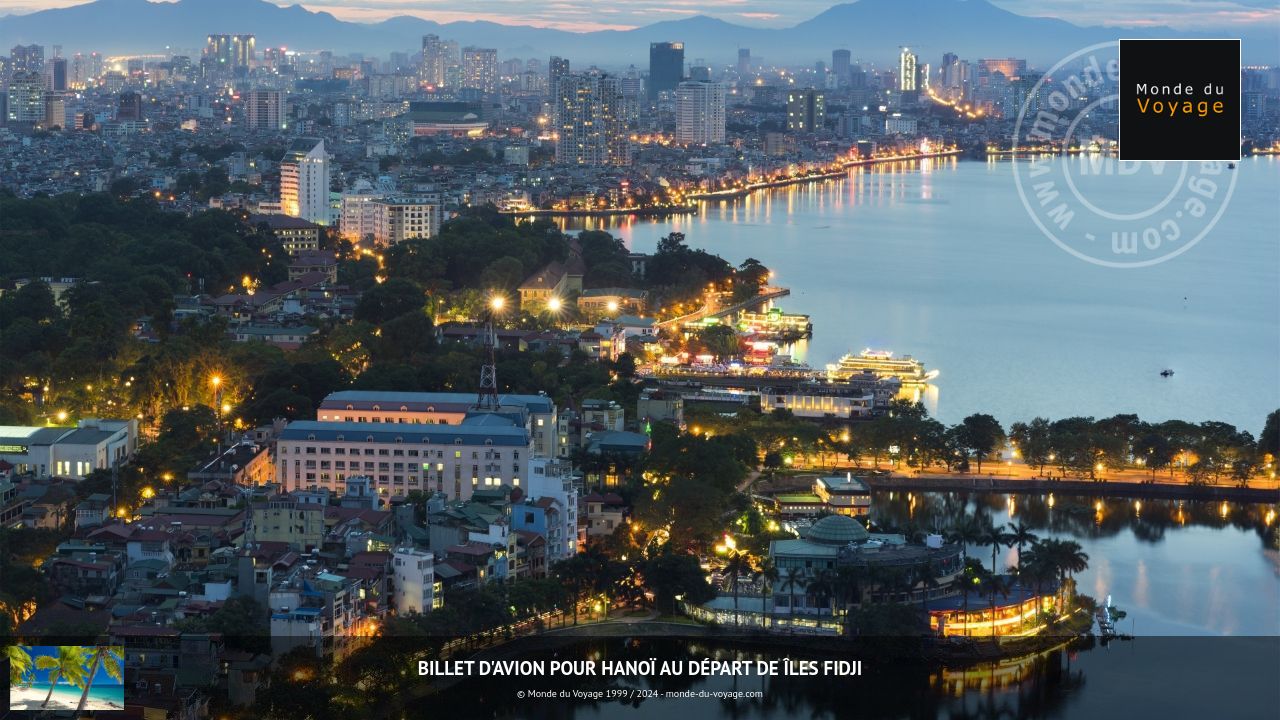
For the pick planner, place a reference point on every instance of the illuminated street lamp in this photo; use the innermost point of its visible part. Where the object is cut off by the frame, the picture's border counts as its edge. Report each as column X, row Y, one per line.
column 554, row 304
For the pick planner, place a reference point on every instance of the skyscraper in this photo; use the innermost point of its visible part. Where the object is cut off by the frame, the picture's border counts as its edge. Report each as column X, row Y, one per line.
column 264, row 110
column 304, row 181
column 480, row 69
column 744, row 61
column 230, row 51
column 840, row 65
column 699, row 113
column 26, row 59
column 26, row 97
column 56, row 75
column 434, row 61
column 666, row 67
column 556, row 68
column 590, row 129
column 806, row 110
column 906, row 71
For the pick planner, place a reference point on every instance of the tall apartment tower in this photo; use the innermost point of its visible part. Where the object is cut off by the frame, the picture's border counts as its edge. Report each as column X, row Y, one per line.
column 840, row 62
column 264, row 110
column 26, row 98
column 434, row 61
column 666, row 67
column 700, row 116
column 907, row 71
column 480, row 69
column 556, row 68
column 806, row 110
column 590, row 125
column 304, row 181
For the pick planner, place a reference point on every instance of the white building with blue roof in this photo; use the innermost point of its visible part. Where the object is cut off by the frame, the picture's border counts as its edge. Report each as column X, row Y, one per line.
column 481, row 449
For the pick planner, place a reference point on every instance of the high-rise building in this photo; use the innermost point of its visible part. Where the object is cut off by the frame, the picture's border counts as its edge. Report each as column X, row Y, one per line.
column 480, row 69
column 26, row 59
column 840, row 60
column 304, row 181
column 26, row 98
column 666, row 67
column 906, row 71
column 700, row 115
column 434, row 61
column 589, row 122
column 230, row 51
column 556, row 67
column 264, row 110
column 744, row 61
column 129, row 107
column 56, row 75
column 806, row 110
column 55, row 110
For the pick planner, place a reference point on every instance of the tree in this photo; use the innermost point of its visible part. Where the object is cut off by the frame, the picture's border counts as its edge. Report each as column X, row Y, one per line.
column 1032, row 441
column 981, row 434
column 1269, row 440
column 1020, row 534
column 739, row 564
column 20, row 664
column 995, row 536
column 792, row 578
column 101, row 656
column 67, row 664
column 670, row 574
column 966, row 532
column 390, row 299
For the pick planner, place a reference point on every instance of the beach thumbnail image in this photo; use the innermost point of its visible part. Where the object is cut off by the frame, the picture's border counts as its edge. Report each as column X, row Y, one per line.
column 66, row 677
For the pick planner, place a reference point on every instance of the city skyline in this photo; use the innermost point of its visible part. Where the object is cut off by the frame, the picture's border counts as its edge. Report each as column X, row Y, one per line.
column 578, row 16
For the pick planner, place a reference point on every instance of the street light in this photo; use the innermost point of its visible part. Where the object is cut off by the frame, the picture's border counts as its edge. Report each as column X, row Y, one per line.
column 554, row 304
column 497, row 302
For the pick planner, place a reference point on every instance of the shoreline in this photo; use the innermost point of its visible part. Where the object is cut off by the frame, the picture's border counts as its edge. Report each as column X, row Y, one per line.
column 816, row 177
column 1161, row 491
column 30, row 699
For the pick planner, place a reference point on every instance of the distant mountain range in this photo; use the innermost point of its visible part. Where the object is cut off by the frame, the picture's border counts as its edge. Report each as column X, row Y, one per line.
column 871, row 29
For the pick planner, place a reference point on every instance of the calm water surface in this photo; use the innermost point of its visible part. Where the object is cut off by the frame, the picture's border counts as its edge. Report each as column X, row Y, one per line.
column 940, row 260
column 1198, row 580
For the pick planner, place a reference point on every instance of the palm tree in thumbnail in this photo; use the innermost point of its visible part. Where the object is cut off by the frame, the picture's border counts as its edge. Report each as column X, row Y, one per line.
column 101, row 656
column 67, row 664
column 20, row 664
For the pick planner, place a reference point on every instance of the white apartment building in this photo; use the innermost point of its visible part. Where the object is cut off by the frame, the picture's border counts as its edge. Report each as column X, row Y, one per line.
column 396, row 219
column 700, row 115
column 484, row 450
column 550, row 478
column 440, row 408
column 415, row 586
column 357, row 216
column 304, row 181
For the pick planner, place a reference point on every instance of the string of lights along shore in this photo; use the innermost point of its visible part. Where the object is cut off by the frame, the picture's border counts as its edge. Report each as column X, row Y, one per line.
column 359, row 357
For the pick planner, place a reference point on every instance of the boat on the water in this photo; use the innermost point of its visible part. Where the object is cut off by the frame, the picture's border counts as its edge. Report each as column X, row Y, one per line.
column 1166, row 373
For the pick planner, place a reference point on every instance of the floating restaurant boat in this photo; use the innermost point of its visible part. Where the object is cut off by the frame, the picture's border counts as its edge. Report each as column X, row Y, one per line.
column 883, row 363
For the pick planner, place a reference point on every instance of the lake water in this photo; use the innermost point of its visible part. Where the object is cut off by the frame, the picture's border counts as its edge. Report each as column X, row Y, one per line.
column 1199, row 582
column 940, row 260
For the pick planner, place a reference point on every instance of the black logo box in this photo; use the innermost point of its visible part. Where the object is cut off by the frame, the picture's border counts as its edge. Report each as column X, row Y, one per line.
column 1196, row 65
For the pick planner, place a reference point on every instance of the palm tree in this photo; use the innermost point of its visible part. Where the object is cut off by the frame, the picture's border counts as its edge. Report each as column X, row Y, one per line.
column 822, row 586
column 67, row 665
column 995, row 584
column 768, row 572
column 1069, row 558
column 102, row 656
column 995, row 536
column 1020, row 534
column 792, row 578
column 967, row 532
column 19, row 663
column 848, row 589
column 737, row 565
column 927, row 575
column 970, row 577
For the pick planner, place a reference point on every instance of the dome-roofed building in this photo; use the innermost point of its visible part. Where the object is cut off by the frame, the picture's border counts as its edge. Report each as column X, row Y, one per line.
column 837, row 530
